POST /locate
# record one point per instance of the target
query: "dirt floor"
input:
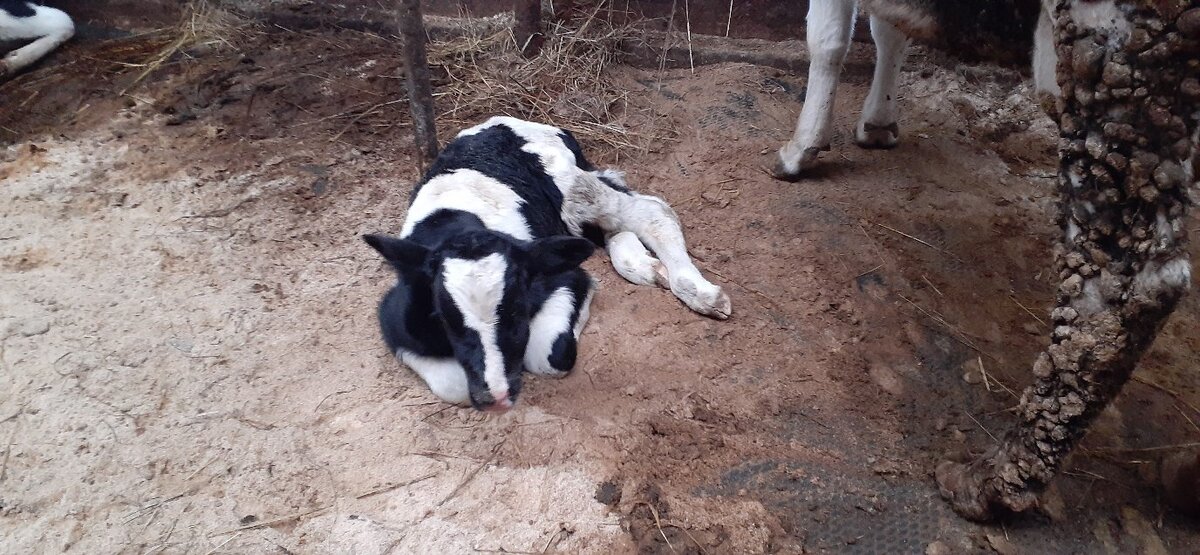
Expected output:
(190, 363)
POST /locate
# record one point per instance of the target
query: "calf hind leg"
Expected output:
(600, 199)
(657, 226)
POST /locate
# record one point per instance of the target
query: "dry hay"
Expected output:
(481, 72)
(107, 64)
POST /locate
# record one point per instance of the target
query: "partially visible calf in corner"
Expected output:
(488, 260)
(1123, 82)
(47, 28)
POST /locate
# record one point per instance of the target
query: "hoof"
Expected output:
(870, 135)
(703, 298)
(794, 172)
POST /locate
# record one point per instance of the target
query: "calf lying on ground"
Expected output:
(1128, 110)
(22, 20)
(488, 260)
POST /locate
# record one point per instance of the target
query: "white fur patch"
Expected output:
(552, 320)
(1104, 15)
(1072, 231)
(1045, 58)
(911, 20)
(1174, 274)
(616, 176)
(1091, 301)
(46, 21)
(585, 311)
(477, 287)
(470, 191)
(444, 376)
(48, 26)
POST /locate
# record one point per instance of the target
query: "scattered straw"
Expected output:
(222, 544)
(983, 371)
(957, 333)
(919, 240)
(658, 524)
(392, 487)
(1172, 447)
(981, 426)
(1174, 394)
(931, 285)
(729, 22)
(1188, 418)
(202, 25)
(471, 475)
(481, 72)
(1029, 312)
(272, 522)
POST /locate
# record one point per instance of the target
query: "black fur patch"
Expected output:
(17, 8)
(496, 152)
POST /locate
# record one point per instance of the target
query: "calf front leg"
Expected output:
(878, 128)
(830, 23)
(445, 377)
(1123, 187)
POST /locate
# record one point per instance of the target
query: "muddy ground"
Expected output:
(190, 361)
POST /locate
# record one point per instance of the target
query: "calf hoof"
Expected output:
(704, 298)
(794, 171)
(661, 278)
(870, 135)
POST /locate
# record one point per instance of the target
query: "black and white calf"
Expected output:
(21, 20)
(489, 282)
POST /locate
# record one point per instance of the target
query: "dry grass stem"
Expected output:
(272, 522)
(391, 487)
(658, 524)
(1188, 418)
(919, 240)
(983, 371)
(1148, 449)
(958, 334)
(981, 426)
(1029, 312)
(1174, 394)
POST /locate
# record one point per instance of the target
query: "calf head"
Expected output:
(481, 285)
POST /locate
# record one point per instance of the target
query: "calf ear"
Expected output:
(559, 254)
(401, 253)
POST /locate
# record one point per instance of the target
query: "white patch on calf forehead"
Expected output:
(477, 288)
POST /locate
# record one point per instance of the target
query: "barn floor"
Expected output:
(189, 359)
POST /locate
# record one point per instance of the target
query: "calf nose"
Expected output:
(489, 401)
(500, 403)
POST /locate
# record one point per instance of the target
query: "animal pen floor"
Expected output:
(190, 361)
